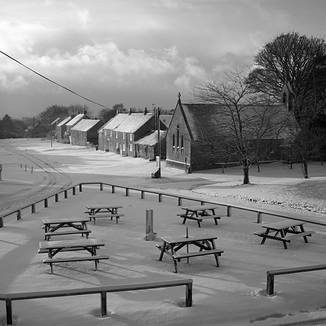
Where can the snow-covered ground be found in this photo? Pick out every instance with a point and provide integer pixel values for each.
(232, 294)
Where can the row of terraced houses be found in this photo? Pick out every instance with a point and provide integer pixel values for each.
(189, 139)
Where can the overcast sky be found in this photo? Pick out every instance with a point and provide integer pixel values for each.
(135, 52)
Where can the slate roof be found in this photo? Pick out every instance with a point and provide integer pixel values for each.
(201, 120)
(151, 139)
(207, 121)
(63, 122)
(85, 124)
(74, 120)
(128, 123)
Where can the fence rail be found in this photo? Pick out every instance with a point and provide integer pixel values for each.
(259, 212)
(103, 290)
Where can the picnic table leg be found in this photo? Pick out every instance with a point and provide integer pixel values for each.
(175, 265)
(162, 251)
(283, 234)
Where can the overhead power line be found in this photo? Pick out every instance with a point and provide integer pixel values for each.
(51, 81)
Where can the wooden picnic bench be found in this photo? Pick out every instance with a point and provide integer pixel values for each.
(172, 245)
(96, 259)
(52, 248)
(48, 235)
(110, 211)
(284, 231)
(199, 213)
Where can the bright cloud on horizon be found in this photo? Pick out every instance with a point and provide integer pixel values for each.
(135, 52)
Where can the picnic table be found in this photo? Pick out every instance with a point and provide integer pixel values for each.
(52, 248)
(109, 211)
(172, 246)
(65, 226)
(284, 231)
(200, 212)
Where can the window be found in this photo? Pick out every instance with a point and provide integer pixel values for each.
(131, 137)
(182, 149)
(173, 143)
(178, 136)
(130, 147)
(116, 134)
(124, 147)
(111, 133)
(123, 135)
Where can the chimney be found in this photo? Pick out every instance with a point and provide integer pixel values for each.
(145, 111)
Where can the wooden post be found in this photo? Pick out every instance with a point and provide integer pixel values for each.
(189, 295)
(56, 198)
(66, 194)
(179, 201)
(113, 189)
(228, 211)
(9, 311)
(103, 304)
(46, 202)
(159, 197)
(19, 214)
(33, 208)
(259, 217)
(127, 192)
(142, 194)
(80, 187)
(270, 284)
(1, 222)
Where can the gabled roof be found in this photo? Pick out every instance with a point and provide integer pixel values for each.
(115, 121)
(85, 124)
(209, 122)
(63, 122)
(201, 120)
(128, 123)
(76, 119)
(152, 138)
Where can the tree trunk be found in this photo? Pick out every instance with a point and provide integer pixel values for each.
(305, 169)
(246, 166)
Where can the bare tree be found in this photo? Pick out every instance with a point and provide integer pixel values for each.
(248, 120)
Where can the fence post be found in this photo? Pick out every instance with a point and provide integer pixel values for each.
(9, 311)
(80, 187)
(228, 211)
(56, 198)
(270, 284)
(259, 217)
(1, 222)
(179, 201)
(19, 214)
(159, 198)
(189, 295)
(113, 189)
(142, 194)
(73, 191)
(101, 186)
(127, 192)
(103, 304)
(33, 208)
(45, 202)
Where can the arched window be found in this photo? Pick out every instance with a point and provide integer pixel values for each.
(173, 143)
(178, 137)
